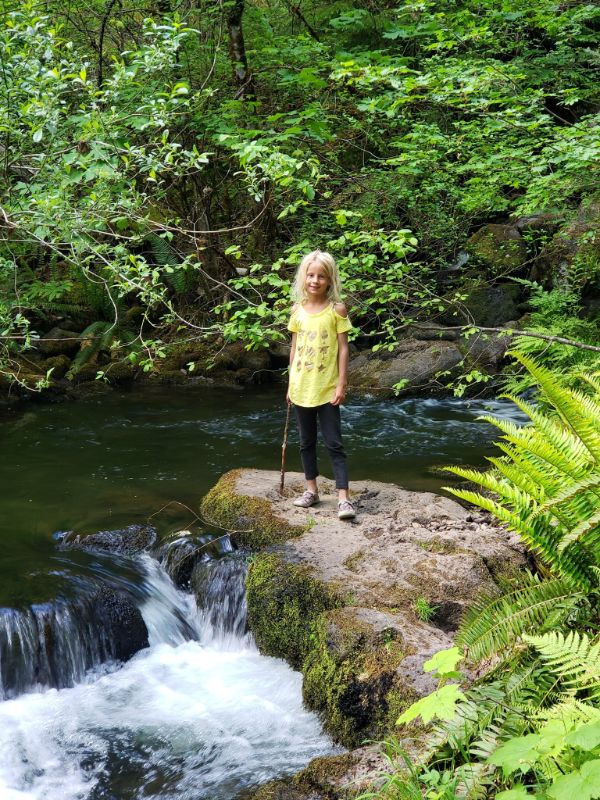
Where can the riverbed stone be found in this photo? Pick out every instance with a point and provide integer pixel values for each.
(338, 600)
(129, 541)
(122, 622)
(59, 341)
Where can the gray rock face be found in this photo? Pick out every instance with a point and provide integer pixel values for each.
(416, 362)
(125, 541)
(122, 621)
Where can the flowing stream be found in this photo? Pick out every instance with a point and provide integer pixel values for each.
(199, 714)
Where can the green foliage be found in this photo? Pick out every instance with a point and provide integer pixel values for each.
(546, 484)
(385, 134)
(556, 313)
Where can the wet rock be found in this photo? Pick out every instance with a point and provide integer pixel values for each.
(128, 541)
(545, 223)
(179, 558)
(122, 621)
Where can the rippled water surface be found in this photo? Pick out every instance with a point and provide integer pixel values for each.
(125, 456)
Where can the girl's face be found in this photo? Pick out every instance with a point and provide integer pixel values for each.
(317, 281)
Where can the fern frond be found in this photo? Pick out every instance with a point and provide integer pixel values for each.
(591, 380)
(94, 338)
(568, 493)
(587, 532)
(553, 429)
(551, 479)
(571, 457)
(571, 711)
(520, 478)
(571, 411)
(574, 658)
(494, 624)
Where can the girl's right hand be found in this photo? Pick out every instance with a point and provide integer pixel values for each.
(287, 398)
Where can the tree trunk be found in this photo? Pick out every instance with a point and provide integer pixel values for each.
(237, 51)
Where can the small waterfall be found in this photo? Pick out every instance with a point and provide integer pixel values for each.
(50, 645)
(221, 597)
(170, 614)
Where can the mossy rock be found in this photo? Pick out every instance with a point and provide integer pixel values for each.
(351, 678)
(59, 365)
(322, 779)
(285, 602)
(120, 371)
(250, 520)
(499, 247)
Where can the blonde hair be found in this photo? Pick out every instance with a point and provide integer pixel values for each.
(325, 260)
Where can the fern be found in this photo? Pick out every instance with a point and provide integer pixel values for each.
(546, 486)
(574, 658)
(178, 275)
(95, 337)
(493, 624)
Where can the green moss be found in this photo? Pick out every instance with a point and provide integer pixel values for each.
(352, 561)
(323, 778)
(285, 602)
(350, 676)
(250, 520)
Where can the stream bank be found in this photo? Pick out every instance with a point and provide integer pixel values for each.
(356, 607)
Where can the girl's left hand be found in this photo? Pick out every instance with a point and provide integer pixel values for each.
(339, 395)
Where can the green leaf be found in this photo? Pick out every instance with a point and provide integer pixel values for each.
(441, 704)
(516, 793)
(586, 737)
(519, 753)
(444, 662)
(584, 784)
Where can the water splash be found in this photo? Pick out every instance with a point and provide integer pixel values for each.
(191, 719)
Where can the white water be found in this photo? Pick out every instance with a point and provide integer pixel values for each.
(183, 719)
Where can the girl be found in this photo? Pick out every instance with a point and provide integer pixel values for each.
(318, 366)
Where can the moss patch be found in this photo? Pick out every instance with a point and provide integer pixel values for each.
(250, 520)
(322, 778)
(350, 677)
(285, 602)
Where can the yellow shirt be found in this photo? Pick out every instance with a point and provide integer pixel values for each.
(314, 370)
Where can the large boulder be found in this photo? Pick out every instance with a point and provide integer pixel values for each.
(414, 363)
(122, 622)
(59, 341)
(489, 305)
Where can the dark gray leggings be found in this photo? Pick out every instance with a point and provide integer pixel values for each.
(331, 431)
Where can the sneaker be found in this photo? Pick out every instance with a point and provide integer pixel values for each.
(346, 510)
(307, 500)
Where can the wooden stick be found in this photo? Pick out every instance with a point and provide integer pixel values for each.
(283, 446)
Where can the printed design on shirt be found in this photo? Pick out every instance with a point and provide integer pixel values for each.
(300, 347)
(323, 349)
